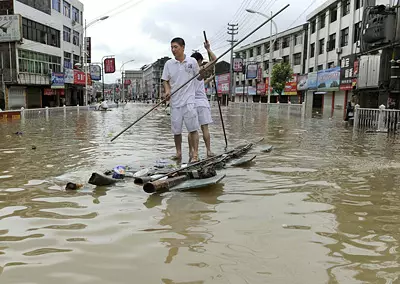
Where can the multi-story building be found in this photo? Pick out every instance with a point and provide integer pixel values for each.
(334, 41)
(290, 46)
(152, 84)
(134, 79)
(44, 44)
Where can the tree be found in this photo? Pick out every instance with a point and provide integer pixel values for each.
(281, 74)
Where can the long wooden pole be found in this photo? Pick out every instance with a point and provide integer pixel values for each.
(218, 101)
(210, 64)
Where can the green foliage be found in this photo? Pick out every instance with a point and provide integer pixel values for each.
(281, 73)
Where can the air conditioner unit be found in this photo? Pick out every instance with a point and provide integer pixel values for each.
(358, 43)
(338, 50)
(73, 23)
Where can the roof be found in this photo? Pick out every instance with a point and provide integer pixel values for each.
(321, 8)
(266, 39)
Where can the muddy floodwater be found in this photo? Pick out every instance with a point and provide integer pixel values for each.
(322, 207)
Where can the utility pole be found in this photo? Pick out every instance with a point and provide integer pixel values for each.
(232, 30)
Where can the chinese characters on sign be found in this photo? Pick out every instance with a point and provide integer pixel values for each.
(238, 65)
(348, 70)
(109, 65)
(223, 81)
(252, 71)
(88, 45)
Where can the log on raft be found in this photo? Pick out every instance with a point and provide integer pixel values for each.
(160, 186)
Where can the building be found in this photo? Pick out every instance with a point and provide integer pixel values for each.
(133, 80)
(290, 46)
(152, 84)
(39, 53)
(334, 32)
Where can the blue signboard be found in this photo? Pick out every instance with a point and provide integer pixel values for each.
(329, 79)
(252, 71)
(57, 80)
(312, 80)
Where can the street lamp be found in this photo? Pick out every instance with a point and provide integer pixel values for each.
(271, 43)
(85, 65)
(122, 77)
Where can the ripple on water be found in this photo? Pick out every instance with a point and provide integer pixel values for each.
(35, 182)
(290, 170)
(6, 176)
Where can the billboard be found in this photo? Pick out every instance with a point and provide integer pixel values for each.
(237, 64)
(328, 79)
(261, 89)
(68, 76)
(79, 77)
(95, 72)
(109, 65)
(223, 82)
(291, 86)
(347, 72)
(10, 28)
(57, 80)
(88, 46)
(252, 71)
(302, 82)
(312, 80)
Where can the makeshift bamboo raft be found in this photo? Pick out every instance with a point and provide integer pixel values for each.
(197, 175)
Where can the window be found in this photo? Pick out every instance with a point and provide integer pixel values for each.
(332, 42)
(312, 50)
(298, 39)
(285, 42)
(297, 59)
(320, 67)
(38, 63)
(67, 9)
(285, 59)
(311, 69)
(75, 38)
(75, 14)
(322, 21)
(313, 27)
(344, 37)
(357, 32)
(258, 50)
(41, 5)
(40, 33)
(67, 60)
(266, 65)
(81, 18)
(76, 59)
(276, 45)
(331, 65)
(345, 7)
(266, 47)
(67, 34)
(57, 5)
(333, 15)
(321, 46)
(251, 53)
(359, 4)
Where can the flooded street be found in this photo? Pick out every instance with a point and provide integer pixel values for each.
(322, 207)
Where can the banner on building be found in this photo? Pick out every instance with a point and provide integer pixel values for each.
(252, 71)
(53, 92)
(79, 77)
(302, 82)
(261, 89)
(312, 80)
(251, 91)
(223, 82)
(88, 46)
(237, 64)
(109, 65)
(291, 86)
(328, 79)
(57, 80)
(11, 28)
(95, 72)
(347, 70)
(259, 73)
(68, 76)
(127, 82)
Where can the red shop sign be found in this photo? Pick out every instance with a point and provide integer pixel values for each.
(79, 77)
(109, 65)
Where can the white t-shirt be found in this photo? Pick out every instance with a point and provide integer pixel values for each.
(201, 97)
(178, 73)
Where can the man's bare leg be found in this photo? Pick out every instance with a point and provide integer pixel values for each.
(207, 139)
(194, 145)
(178, 146)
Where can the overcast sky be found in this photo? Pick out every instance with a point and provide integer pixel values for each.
(142, 29)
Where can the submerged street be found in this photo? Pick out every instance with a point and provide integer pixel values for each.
(322, 207)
